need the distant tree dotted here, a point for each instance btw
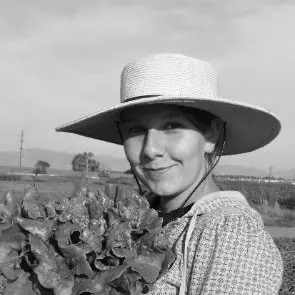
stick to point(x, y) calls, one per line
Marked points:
point(84, 161)
point(128, 171)
point(41, 167)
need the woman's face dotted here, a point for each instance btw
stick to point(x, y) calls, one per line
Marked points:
point(164, 148)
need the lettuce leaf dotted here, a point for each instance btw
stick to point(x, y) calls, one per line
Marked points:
point(64, 232)
point(93, 239)
point(76, 257)
point(98, 285)
point(52, 271)
point(147, 263)
point(32, 205)
point(42, 229)
point(50, 209)
point(8, 258)
point(12, 203)
point(98, 226)
point(118, 236)
point(12, 240)
point(74, 210)
point(21, 286)
point(135, 209)
point(5, 216)
point(129, 282)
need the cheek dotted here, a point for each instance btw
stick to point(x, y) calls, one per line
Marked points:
point(132, 151)
point(189, 149)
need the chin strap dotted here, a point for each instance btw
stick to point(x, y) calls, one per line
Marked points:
point(137, 182)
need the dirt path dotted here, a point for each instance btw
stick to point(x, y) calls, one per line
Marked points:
point(277, 231)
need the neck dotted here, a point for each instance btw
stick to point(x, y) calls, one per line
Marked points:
point(170, 204)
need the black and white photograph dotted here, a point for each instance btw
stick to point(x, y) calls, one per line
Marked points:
point(147, 147)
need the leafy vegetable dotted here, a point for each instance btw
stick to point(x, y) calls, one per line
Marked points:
point(42, 229)
point(52, 270)
point(11, 243)
point(20, 286)
point(104, 242)
point(32, 206)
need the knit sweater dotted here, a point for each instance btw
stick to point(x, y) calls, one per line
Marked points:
point(221, 247)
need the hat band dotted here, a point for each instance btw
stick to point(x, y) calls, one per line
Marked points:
point(139, 97)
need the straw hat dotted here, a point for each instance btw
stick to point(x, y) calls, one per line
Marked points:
point(184, 81)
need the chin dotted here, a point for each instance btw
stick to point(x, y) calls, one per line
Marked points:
point(164, 190)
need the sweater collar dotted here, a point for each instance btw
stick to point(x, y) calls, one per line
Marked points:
point(208, 202)
point(213, 200)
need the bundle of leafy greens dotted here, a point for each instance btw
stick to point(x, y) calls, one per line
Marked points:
point(107, 242)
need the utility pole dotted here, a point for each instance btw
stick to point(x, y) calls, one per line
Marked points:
point(21, 150)
point(87, 167)
point(270, 168)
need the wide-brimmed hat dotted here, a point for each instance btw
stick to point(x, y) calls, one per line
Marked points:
point(182, 81)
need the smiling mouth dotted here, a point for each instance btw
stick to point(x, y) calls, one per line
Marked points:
point(157, 170)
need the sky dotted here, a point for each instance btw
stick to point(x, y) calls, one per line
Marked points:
point(61, 60)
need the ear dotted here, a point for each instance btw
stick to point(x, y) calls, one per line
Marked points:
point(209, 147)
point(211, 137)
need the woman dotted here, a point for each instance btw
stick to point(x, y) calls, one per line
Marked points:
point(174, 127)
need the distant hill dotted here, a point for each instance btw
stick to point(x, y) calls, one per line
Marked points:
point(62, 161)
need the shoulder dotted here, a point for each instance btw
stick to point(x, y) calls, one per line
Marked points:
point(229, 215)
point(230, 241)
point(234, 221)
point(233, 208)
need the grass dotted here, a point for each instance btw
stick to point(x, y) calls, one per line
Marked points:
point(276, 215)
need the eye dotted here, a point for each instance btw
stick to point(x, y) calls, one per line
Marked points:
point(135, 130)
point(173, 126)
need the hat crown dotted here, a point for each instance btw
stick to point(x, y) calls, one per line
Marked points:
point(170, 75)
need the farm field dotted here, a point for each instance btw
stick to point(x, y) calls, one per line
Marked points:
point(281, 231)
point(268, 200)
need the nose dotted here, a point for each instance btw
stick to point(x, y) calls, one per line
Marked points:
point(154, 144)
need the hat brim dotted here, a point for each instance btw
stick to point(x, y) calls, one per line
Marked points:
point(248, 128)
